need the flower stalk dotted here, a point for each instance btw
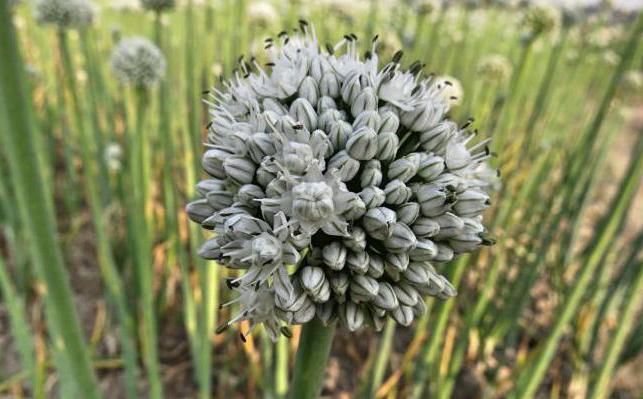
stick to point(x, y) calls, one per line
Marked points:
point(312, 356)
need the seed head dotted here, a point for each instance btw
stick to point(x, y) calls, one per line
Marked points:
point(64, 13)
point(350, 170)
point(137, 61)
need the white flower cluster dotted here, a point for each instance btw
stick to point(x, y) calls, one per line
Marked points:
point(136, 61)
point(337, 185)
point(494, 67)
point(64, 13)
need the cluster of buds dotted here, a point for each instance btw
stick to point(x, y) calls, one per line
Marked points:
point(337, 185)
point(64, 13)
point(138, 62)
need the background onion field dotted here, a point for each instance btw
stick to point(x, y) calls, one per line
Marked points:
point(102, 298)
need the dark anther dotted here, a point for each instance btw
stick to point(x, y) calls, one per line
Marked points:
point(282, 33)
point(329, 48)
point(243, 337)
point(354, 36)
point(348, 38)
point(268, 40)
point(209, 125)
point(221, 328)
point(303, 22)
point(204, 92)
point(453, 98)
point(375, 38)
point(285, 331)
point(287, 40)
point(397, 56)
point(270, 64)
point(240, 58)
point(368, 55)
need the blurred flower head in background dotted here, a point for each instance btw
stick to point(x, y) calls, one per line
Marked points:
point(64, 13)
point(540, 19)
point(338, 184)
point(261, 14)
point(136, 61)
point(494, 67)
point(158, 5)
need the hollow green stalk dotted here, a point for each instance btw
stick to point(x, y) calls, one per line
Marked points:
point(106, 262)
point(281, 368)
point(36, 209)
point(310, 363)
point(532, 375)
point(627, 320)
point(15, 305)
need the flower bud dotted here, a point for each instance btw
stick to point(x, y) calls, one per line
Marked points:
point(372, 196)
point(302, 111)
point(445, 254)
point(375, 265)
point(386, 298)
point(239, 169)
point(403, 315)
point(211, 249)
point(407, 213)
point(367, 119)
point(366, 100)
point(205, 186)
point(387, 144)
point(338, 134)
point(424, 116)
point(358, 262)
point(401, 239)
point(220, 199)
point(399, 261)
point(371, 174)
point(259, 146)
point(378, 221)
point(417, 274)
point(406, 294)
point(402, 169)
point(306, 313)
point(351, 88)
point(430, 199)
point(213, 161)
point(355, 207)
point(326, 312)
point(431, 167)
point(325, 103)
point(471, 203)
point(397, 193)
point(199, 210)
point(390, 122)
point(339, 283)
point(425, 227)
point(265, 175)
point(351, 315)
point(314, 282)
point(435, 138)
point(334, 255)
point(465, 242)
point(308, 90)
point(357, 240)
point(297, 157)
point(362, 144)
point(328, 118)
point(329, 85)
point(248, 194)
point(312, 202)
point(424, 250)
point(346, 166)
point(364, 288)
point(450, 225)
point(321, 145)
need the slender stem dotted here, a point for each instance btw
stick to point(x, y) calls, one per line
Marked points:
point(37, 211)
point(281, 366)
point(381, 360)
point(310, 363)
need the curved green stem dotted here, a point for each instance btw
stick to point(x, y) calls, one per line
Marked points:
point(312, 356)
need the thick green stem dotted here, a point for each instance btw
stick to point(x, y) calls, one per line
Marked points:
point(310, 363)
point(37, 211)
